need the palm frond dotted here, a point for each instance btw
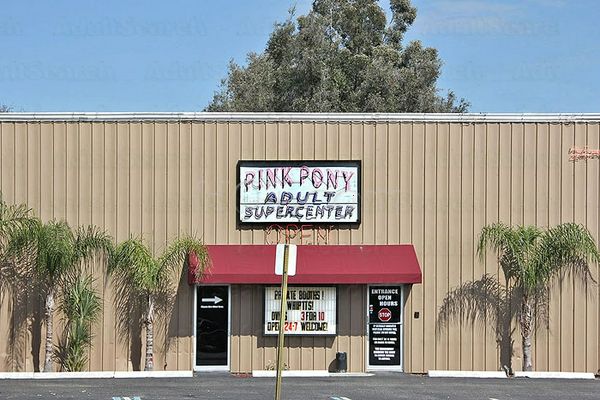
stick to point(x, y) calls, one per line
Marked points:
point(22, 246)
point(91, 241)
point(55, 250)
point(80, 301)
point(494, 236)
point(175, 255)
point(479, 300)
point(12, 218)
point(133, 262)
point(511, 244)
point(567, 248)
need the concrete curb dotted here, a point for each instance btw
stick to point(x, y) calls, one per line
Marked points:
point(349, 374)
point(154, 374)
point(308, 374)
point(73, 375)
point(16, 375)
point(554, 375)
point(466, 374)
point(96, 375)
point(290, 374)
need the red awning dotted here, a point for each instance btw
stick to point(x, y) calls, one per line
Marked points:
point(238, 264)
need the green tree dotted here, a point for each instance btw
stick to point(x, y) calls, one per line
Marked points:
point(137, 273)
point(55, 252)
point(343, 56)
point(81, 306)
point(530, 258)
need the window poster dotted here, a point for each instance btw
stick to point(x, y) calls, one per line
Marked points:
point(311, 310)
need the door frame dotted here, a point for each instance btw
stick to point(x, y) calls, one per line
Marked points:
point(195, 317)
point(398, 368)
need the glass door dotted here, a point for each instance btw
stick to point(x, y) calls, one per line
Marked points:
point(212, 328)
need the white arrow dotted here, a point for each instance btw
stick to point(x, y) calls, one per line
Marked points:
point(215, 300)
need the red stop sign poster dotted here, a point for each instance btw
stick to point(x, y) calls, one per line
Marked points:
point(384, 315)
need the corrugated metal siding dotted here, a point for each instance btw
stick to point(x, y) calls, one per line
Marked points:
point(431, 184)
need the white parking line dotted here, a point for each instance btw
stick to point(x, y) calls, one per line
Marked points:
point(339, 398)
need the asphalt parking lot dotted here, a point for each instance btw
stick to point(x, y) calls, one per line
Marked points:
point(224, 386)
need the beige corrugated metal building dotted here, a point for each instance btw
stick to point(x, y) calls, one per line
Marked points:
point(428, 180)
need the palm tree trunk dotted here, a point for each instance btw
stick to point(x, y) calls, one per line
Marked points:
point(49, 309)
point(526, 332)
point(149, 322)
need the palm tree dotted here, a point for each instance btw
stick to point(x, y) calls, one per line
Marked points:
point(137, 272)
point(530, 258)
point(82, 306)
point(55, 251)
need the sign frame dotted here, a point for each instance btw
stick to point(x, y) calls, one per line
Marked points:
point(279, 259)
point(199, 368)
point(294, 164)
point(400, 324)
point(325, 335)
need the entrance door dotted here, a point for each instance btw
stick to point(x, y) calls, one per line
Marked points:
point(385, 328)
point(212, 327)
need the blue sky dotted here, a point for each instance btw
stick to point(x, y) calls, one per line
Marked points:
point(502, 56)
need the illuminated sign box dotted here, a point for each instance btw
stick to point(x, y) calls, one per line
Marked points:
point(311, 310)
point(313, 192)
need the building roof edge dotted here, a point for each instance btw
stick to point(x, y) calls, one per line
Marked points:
point(283, 117)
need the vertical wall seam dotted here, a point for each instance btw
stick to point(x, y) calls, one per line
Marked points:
point(101, 351)
point(461, 280)
point(449, 138)
point(227, 179)
point(585, 355)
point(166, 186)
point(548, 158)
point(66, 166)
point(27, 199)
point(363, 157)
point(572, 280)
point(374, 180)
point(387, 194)
point(521, 173)
point(129, 178)
point(13, 333)
point(473, 234)
point(435, 228)
point(104, 292)
point(536, 222)
point(411, 185)
point(153, 171)
point(485, 209)
point(560, 361)
point(203, 195)
point(177, 235)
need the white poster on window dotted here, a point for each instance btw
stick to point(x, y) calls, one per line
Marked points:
point(311, 310)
